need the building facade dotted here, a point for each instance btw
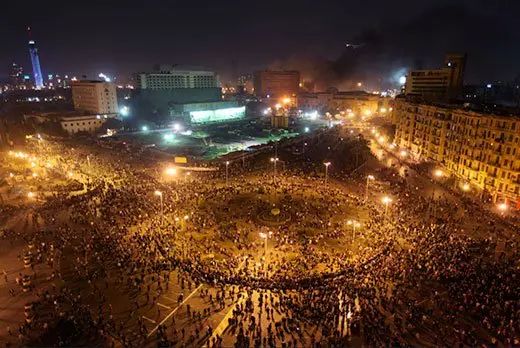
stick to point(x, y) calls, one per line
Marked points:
point(438, 83)
point(478, 148)
point(277, 84)
point(95, 97)
point(357, 102)
point(167, 77)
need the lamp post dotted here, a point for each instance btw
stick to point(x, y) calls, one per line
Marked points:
point(369, 177)
point(274, 160)
point(327, 164)
point(354, 224)
point(386, 201)
point(264, 236)
point(160, 194)
point(227, 165)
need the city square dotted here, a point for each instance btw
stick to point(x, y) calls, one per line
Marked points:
point(248, 256)
point(246, 174)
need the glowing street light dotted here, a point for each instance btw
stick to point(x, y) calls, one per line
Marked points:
point(265, 236)
point(382, 139)
point(144, 128)
point(286, 100)
point(160, 194)
point(359, 84)
point(34, 175)
point(403, 153)
point(369, 177)
point(327, 164)
point(502, 207)
point(439, 173)
point(70, 174)
point(274, 160)
point(227, 166)
point(465, 187)
point(30, 195)
point(386, 200)
point(170, 171)
point(354, 224)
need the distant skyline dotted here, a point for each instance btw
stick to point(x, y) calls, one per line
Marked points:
point(123, 37)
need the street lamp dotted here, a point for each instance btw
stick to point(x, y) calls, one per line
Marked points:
point(327, 164)
point(160, 194)
point(171, 171)
point(265, 236)
point(354, 224)
point(274, 160)
point(465, 187)
point(386, 200)
point(403, 153)
point(227, 165)
point(30, 195)
point(502, 207)
point(439, 173)
point(369, 177)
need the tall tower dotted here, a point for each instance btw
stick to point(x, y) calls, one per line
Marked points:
point(35, 60)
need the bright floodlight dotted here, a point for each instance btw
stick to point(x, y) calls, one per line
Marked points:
point(402, 80)
point(157, 193)
point(465, 187)
point(382, 139)
point(439, 173)
point(171, 171)
point(368, 112)
point(403, 153)
point(125, 111)
point(30, 195)
point(177, 127)
point(359, 84)
point(144, 128)
point(307, 129)
point(502, 206)
point(371, 177)
point(387, 200)
point(286, 100)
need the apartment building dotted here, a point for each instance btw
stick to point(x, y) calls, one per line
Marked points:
point(479, 148)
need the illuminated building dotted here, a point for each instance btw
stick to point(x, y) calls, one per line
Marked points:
point(174, 91)
point(96, 97)
point(35, 61)
point(208, 112)
point(479, 148)
point(16, 76)
point(356, 101)
point(438, 83)
point(276, 84)
point(169, 77)
point(71, 122)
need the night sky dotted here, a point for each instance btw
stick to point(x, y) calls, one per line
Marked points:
point(121, 37)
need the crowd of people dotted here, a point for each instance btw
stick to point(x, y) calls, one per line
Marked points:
point(408, 276)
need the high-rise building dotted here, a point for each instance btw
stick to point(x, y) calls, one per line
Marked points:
point(16, 75)
point(436, 84)
point(35, 61)
point(278, 84)
point(170, 77)
point(95, 97)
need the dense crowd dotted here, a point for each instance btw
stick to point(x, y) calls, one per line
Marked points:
point(405, 273)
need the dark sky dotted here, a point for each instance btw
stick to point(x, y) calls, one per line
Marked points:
point(121, 37)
